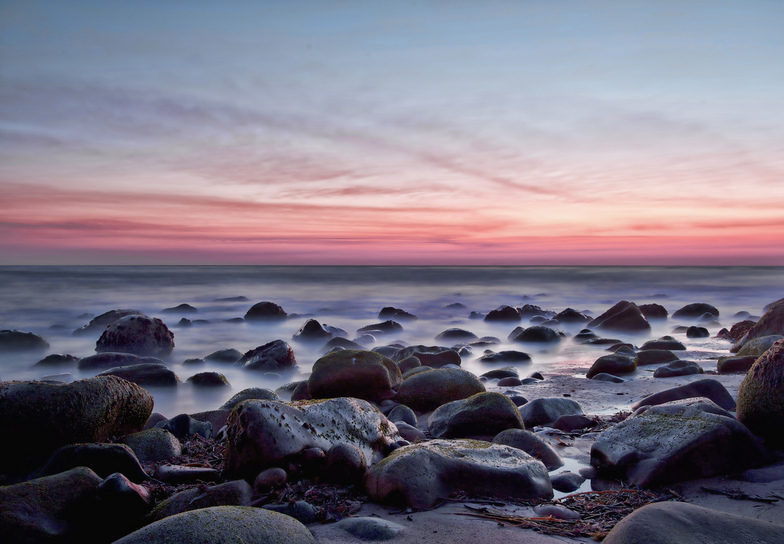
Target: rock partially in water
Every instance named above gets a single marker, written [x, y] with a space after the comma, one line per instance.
[354, 373]
[761, 396]
[392, 313]
[228, 356]
[312, 331]
[506, 356]
[504, 314]
[209, 379]
[653, 311]
[612, 364]
[271, 357]
[456, 335]
[625, 316]
[265, 312]
[57, 360]
[109, 360]
[483, 414]
[655, 357]
[532, 444]
[137, 334]
[17, 341]
[663, 343]
[678, 368]
[696, 310]
[428, 390]
[98, 324]
[538, 334]
[432, 356]
[145, 374]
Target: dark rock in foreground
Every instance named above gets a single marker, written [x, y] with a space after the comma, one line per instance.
[761, 396]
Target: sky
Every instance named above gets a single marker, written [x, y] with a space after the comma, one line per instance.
[547, 132]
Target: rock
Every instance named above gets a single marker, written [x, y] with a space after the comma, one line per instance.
[367, 528]
[184, 427]
[16, 341]
[542, 412]
[98, 324]
[410, 432]
[302, 511]
[137, 334]
[653, 311]
[623, 317]
[696, 310]
[154, 419]
[678, 368]
[664, 444]
[758, 346]
[401, 412]
[354, 373]
[420, 475]
[209, 379]
[500, 373]
[456, 335]
[103, 459]
[109, 360]
[388, 326]
[408, 363]
[118, 492]
[262, 434]
[728, 365]
[228, 356]
[509, 382]
[180, 309]
[301, 392]
[689, 523]
[145, 374]
[604, 377]
[343, 343]
[248, 394]
[507, 356]
[271, 478]
[346, 464]
[761, 396]
[504, 313]
[432, 356]
[737, 331]
[697, 332]
[655, 357]
[566, 482]
[57, 359]
[663, 343]
[612, 364]
[555, 511]
[395, 314]
[570, 315]
[153, 445]
[265, 312]
[234, 493]
[312, 331]
[584, 336]
[573, 422]
[179, 475]
[216, 418]
[478, 415]
[427, 391]
[708, 388]
[38, 418]
[271, 357]
[223, 525]
[538, 334]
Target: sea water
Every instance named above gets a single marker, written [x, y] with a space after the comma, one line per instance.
[54, 301]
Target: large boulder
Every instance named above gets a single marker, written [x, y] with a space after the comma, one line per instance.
[98, 324]
[684, 523]
[420, 475]
[758, 346]
[668, 443]
[427, 391]
[145, 374]
[312, 331]
[261, 434]
[354, 373]
[614, 364]
[483, 414]
[625, 316]
[37, 418]
[13, 341]
[696, 310]
[761, 396]
[546, 411]
[223, 525]
[271, 357]
[265, 311]
[432, 356]
[137, 334]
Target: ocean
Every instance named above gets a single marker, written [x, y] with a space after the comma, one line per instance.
[53, 301]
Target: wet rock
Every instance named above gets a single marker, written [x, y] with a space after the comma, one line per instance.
[456, 335]
[653, 311]
[262, 434]
[758, 346]
[223, 525]
[57, 360]
[507, 356]
[354, 373]
[419, 475]
[612, 364]
[367, 528]
[98, 324]
[271, 478]
[663, 343]
[180, 309]
[432, 356]
[427, 391]
[17, 341]
[504, 314]
[265, 312]
[272, 356]
[500, 373]
[145, 374]
[137, 334]
[109, 360]
[708, 388]
[38, 418]
[479, 415]
[343, 343]
[103, 459]
[228, 356]
[584, 336]
[408, 363]
[312, 331]
[234, 493]
[567, 482]
[697, 332]
[728, 365]
[624, 317]
[571, 316]
[388, 326]
[737, 331]
[346, 464]
[401, 412]
[153, 445]
[573, 422]
[179, 475]
[542, 412]
[696, 310]
[678, 368]
[761, 396]
[664, 444]
[209, 379]
[395, 314]
[538, 334]
[655, 357]
[184, 427]
[248, 394]
[686, 522]
[509, 382]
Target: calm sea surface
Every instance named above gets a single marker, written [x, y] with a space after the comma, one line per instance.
[53, 301]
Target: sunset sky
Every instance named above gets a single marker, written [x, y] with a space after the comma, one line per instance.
[365, 132]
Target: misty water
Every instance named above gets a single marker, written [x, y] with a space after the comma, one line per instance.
[54, 301]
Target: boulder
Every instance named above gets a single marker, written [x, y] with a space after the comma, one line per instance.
[758, 346]
[506, 356]
[409, 363]
[612, 364]
[103, 459]
[708, 388]
[345, 464]
[37, 418]
[504, 313]
[145, 374]
[180, 309]
[456, 335]
[184, 427]
[545, 411]
[684, 523]
[57, 360]
[209, 379]
[663, 343]
[228, 356]
[265, 312]
[109, 360]
[696, 310]
[623, 317]
[427, 391]
[312, 331]
[697, 332]
[389, 312]
[678, 368]
[15, 341]
[262, 433]
[538, 334]
[403, 413]
[567, 482]
[728, 365]
[387, 326]
[98, 324]
[223, 525]
[153, 445]
[354, 373]
[532, 444]
[737, 331]
[482, 414]
[667, 443]
[761, 396]
[271, 357]
[234, 493]
[653, 311]
[571, 316]
[248, 394]
[420, 475]
[342, 343]
[655, 357]
[432, 356]
[137, 334]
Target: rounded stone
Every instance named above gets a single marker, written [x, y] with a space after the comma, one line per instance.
[137, 334]
[761, 396]
[265, 311]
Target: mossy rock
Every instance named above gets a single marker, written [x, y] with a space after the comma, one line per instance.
[428, 390]
[483, 414]
[354, 373]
